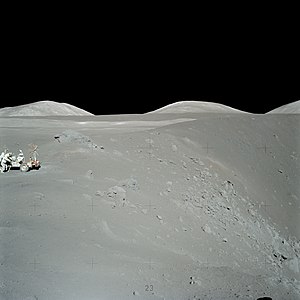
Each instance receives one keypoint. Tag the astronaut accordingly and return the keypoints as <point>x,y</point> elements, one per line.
<point>5,161</point>
<point>1,158</point>
<point>20,157</point>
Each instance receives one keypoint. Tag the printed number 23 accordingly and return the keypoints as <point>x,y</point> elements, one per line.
<point>149,288</point>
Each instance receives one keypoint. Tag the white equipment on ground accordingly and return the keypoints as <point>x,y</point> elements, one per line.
<point>9,161</point>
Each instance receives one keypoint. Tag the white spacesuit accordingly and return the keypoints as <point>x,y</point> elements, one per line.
<point>20,157</point>
<point>1,156</point>
<point>5,161</point>
<point>2,167</point>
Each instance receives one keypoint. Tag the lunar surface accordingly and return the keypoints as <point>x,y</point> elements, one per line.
<point>194,201</point>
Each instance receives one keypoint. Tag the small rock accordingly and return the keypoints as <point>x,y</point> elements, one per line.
<point>252,212</point>
<point>192,281</point>
<point>206,228</point>
<point>100,193</point>
<point>89,174</point>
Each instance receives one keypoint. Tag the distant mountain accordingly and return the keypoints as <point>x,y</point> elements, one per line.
<point>43,108</point>
<point>196,107</point>
<point>291,108</point>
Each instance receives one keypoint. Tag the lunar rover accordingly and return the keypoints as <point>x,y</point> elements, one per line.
<point>10,161</point>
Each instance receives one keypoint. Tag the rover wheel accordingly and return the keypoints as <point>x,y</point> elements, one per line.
<point>24,168</point>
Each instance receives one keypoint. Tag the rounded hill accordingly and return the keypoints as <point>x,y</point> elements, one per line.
<point>291,108</point>
<point>196,107</point>
<point>43,108</point>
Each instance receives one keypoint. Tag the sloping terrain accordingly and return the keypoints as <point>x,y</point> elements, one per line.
<point>43,108</point>
<point>152,207</point>
<point>291,108</point>
<point>196,107</point>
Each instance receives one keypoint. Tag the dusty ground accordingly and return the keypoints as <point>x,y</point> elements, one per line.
<point>170,206</point>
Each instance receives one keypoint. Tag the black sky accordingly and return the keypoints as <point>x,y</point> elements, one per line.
<point>120,84</point>
<point>123,81</point>
<point>133,69</point>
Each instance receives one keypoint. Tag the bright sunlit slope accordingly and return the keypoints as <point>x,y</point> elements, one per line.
<point>196,107</point>
<point>291,108</point>
<point>43,108</point>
